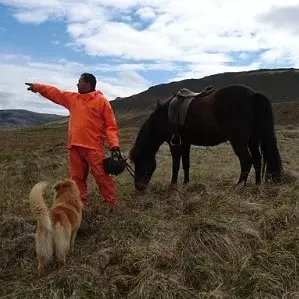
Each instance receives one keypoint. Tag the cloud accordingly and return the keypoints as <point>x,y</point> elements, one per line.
<point>166,30</point>
<point>183,33</point>
<point>55,42</point>
<point>6,99</point>
<point>199,71</point>
<point>31,17</point>
<point>133,37</point>
<point>146,13</point>
<point>82,12</point>
<point>62,74</point>
<point>285,17</point>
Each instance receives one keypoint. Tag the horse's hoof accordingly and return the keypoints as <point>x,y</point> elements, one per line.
<point>139,192</point>
<point>240,187</point>
<point>173,187</point>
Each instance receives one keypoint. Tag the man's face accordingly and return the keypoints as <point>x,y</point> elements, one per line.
<point>83,87</point>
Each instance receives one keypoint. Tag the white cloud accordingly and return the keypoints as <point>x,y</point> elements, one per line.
<point>146,13</point>
<point>178,31</point>
<point>55,42</point>
<point>189,38</point>
<point>282,17</point>
<point>31,17</point>
<point>200,70</point>
<point>16,70</point>
<point>82,12</point>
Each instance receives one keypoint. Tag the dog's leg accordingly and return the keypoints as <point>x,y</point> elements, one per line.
<point>74,234</point>
<point>43,265</point>
<point>62,237</point>
<point>44,250</point>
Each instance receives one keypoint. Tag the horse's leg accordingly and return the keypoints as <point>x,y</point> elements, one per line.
<point>244,156</point>
<point>186,161</point>
<point>256,158</point>
<point>176,157</point>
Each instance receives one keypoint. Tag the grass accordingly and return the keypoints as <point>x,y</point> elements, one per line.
<point>208,239</point>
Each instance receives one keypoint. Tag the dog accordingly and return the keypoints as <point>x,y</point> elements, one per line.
<point>56,227</point>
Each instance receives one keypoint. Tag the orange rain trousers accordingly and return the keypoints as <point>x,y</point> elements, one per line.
<point>81,159</point>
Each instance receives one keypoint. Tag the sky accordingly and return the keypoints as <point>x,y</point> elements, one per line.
<point>131,45</point>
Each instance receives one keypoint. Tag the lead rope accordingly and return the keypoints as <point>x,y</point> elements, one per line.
<point>130,169</point>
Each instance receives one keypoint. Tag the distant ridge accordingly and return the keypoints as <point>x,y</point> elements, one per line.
<point>280,85</point>
<point>18,118</point>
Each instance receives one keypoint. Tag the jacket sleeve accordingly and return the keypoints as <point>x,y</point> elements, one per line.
<point>111,129</point>
<point>54,94</point>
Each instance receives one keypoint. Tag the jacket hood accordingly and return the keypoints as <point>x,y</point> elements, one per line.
<point>91,95</point>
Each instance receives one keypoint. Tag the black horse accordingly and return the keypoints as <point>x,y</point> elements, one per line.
<point>234,113</point>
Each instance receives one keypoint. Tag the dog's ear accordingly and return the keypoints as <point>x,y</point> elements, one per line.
<point>61,186</point>
<point>69,182</point>
<point>57,186</point>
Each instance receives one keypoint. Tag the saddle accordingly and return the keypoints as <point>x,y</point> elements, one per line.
<point>178,109</point>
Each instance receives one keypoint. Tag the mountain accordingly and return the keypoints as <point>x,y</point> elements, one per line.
<point>17,118</point>
<point>281,85</point>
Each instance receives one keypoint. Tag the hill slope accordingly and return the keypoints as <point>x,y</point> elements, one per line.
<point>281,85</point>
<point>16,118</point>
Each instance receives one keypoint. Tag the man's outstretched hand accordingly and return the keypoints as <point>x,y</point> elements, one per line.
<point>30,87</point>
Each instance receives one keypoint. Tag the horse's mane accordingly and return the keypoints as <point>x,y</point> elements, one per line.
<point>142,140</point>
<point>164,102</point>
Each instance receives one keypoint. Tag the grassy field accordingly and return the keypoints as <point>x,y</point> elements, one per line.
<point>208,239</point>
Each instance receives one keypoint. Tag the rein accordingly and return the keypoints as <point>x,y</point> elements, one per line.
<point>129,169</point>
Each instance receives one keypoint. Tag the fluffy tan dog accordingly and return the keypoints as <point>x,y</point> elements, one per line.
<point>56,227</point>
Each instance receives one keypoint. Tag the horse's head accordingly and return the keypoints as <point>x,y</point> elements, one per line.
<point>149,138</point>
<point>143,157</point>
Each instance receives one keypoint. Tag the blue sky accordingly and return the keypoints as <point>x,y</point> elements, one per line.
<point>131,45</point>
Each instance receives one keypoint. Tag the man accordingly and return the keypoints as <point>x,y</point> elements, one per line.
<point>91,122</point>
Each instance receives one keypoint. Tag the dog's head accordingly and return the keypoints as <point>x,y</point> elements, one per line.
<point>64,186</point>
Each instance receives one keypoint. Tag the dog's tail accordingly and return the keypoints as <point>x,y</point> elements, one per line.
<point>38,206</point>
<point>44,232</point>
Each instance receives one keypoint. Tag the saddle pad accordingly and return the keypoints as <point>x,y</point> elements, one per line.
<point>184,92</point>
<point>179,104</point>
<point>178,109</point>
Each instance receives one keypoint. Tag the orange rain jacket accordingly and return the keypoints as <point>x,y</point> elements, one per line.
<point>91,121</point>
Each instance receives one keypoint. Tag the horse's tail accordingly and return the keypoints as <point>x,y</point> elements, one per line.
<point>264,125</point>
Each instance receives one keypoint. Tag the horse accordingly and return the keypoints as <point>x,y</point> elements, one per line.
<point>234,113</point>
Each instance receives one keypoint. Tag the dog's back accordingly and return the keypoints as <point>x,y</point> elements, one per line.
<point>66,215</point>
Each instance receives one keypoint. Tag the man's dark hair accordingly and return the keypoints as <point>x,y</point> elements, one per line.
<point>90,78</point>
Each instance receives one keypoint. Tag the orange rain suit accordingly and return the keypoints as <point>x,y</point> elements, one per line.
<point>91,122</point>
